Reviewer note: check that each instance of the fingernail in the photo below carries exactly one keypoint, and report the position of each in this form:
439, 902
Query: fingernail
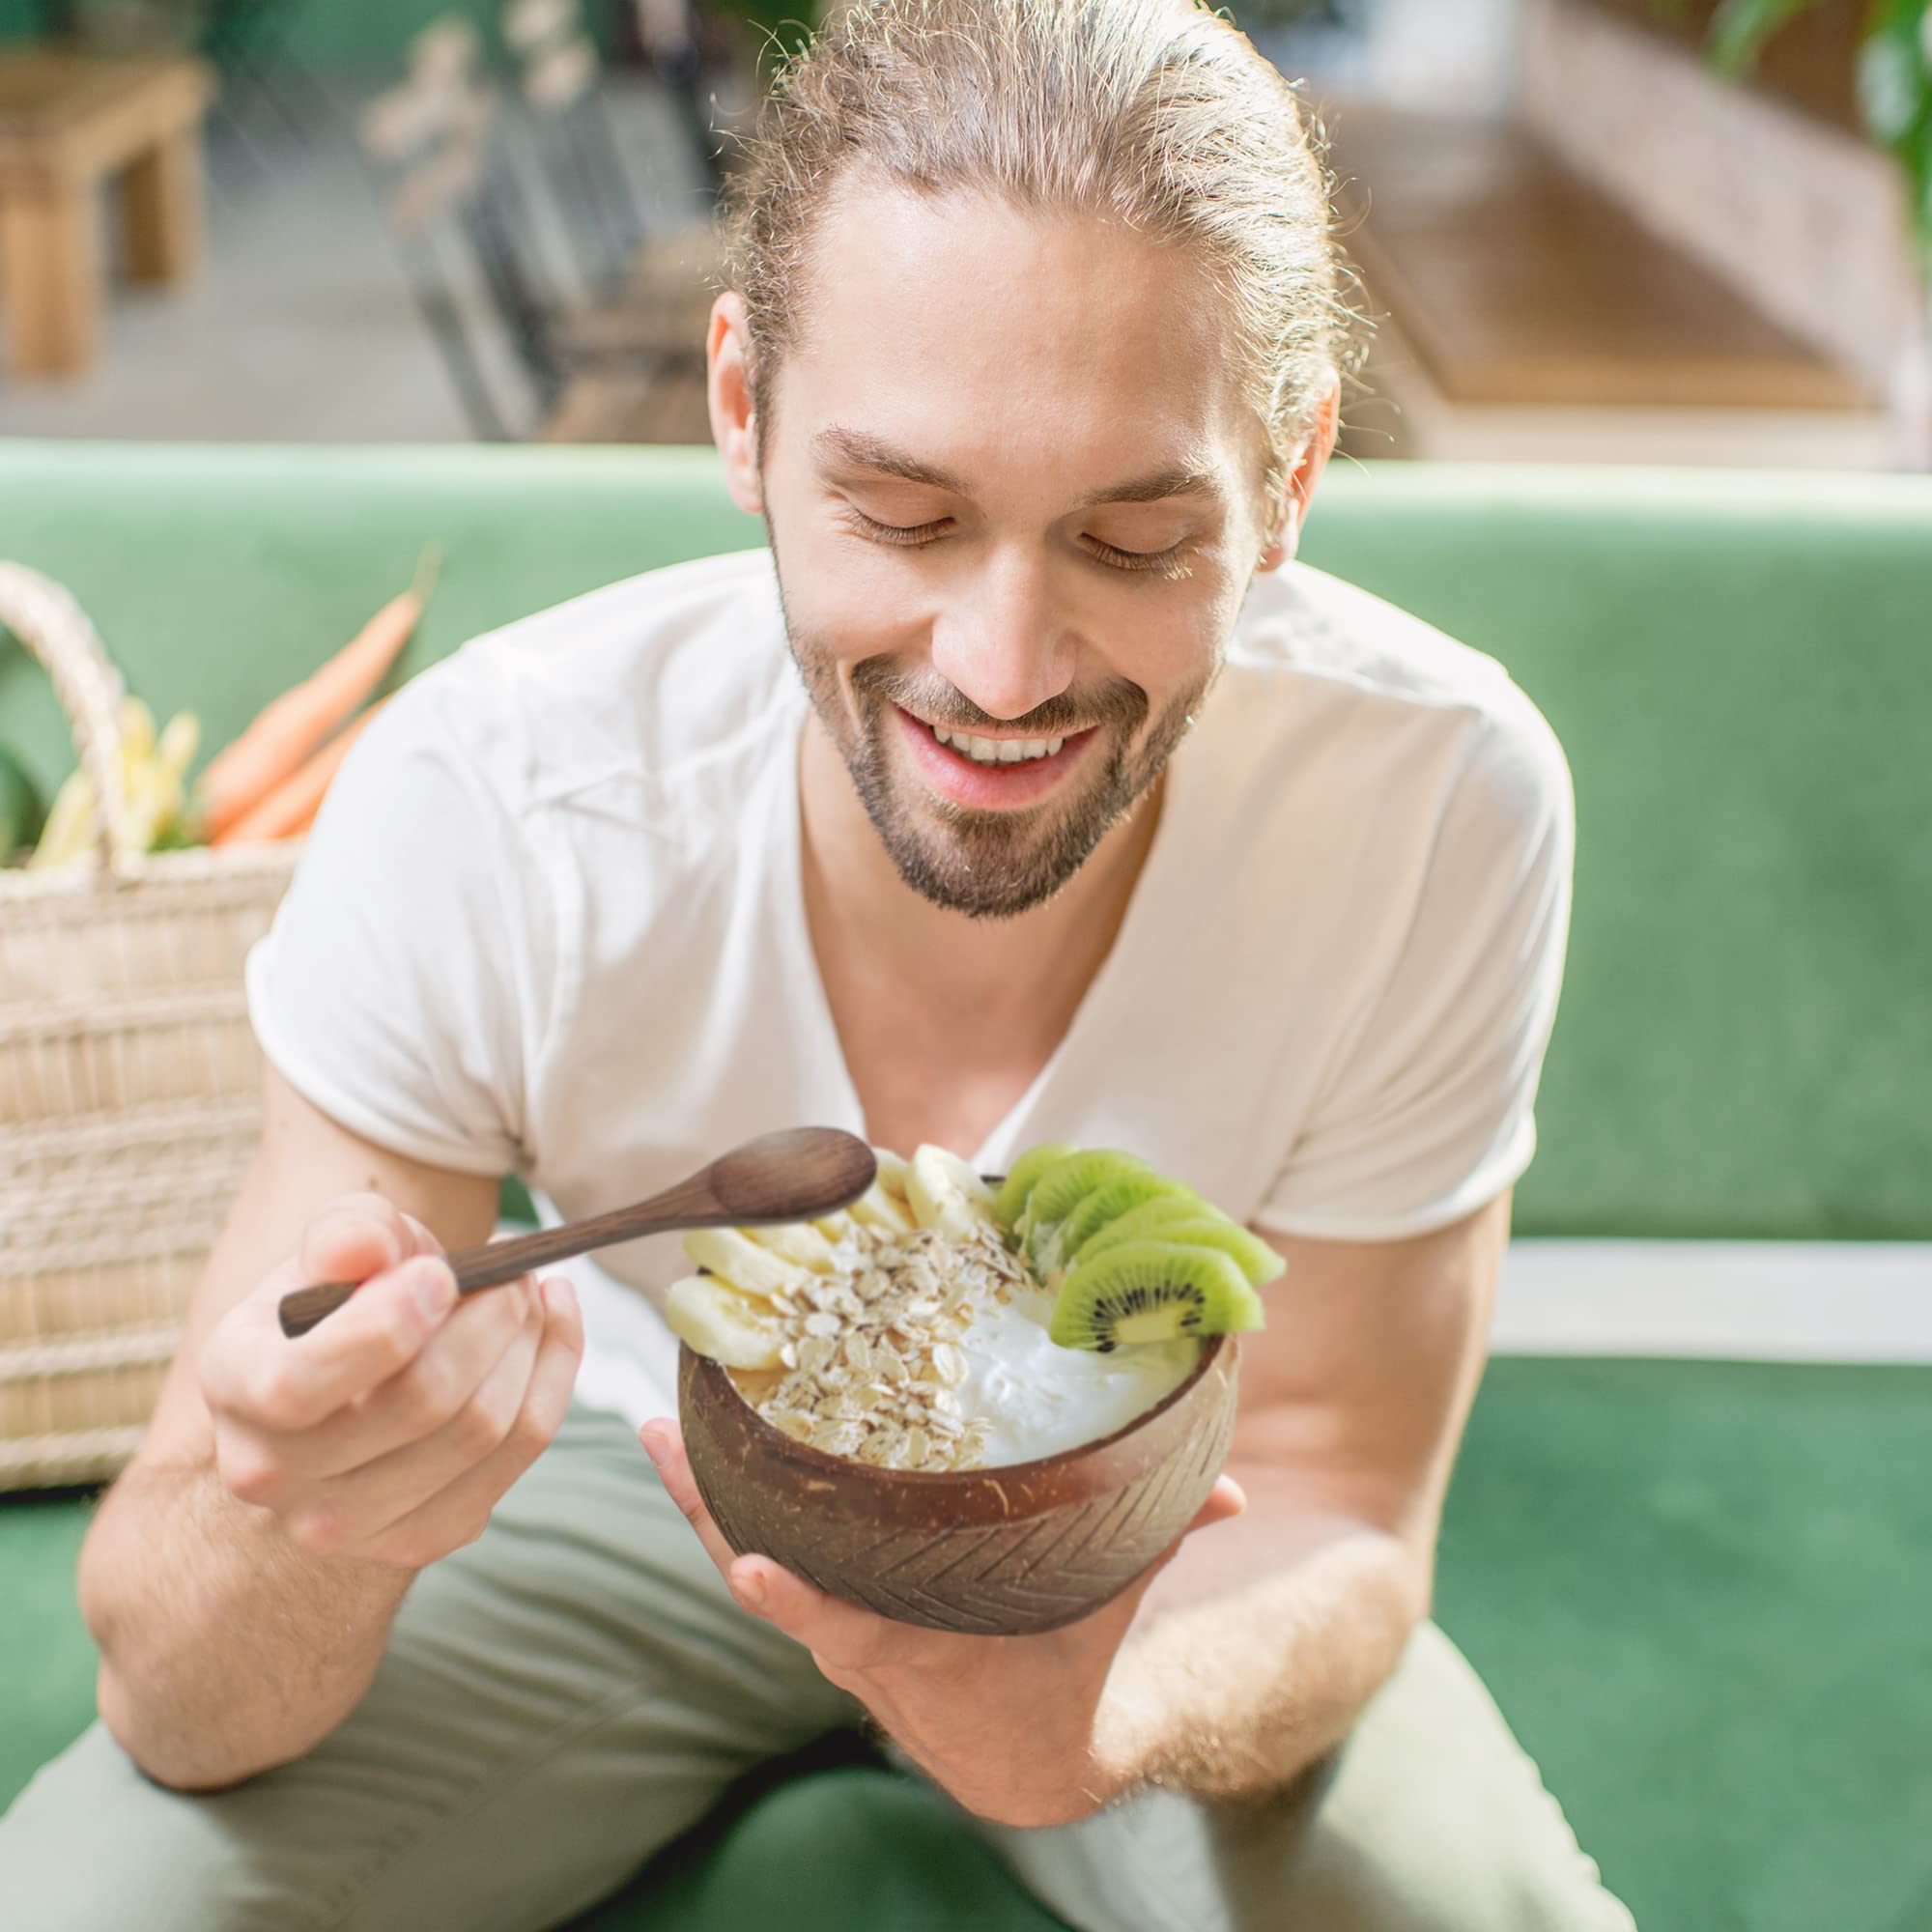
435, 1287
654, 1445
559, 1295
748, 1589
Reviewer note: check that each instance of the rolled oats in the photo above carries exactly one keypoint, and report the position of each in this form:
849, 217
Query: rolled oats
870, 1359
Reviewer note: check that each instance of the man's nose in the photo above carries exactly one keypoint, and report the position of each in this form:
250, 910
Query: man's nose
1003, 640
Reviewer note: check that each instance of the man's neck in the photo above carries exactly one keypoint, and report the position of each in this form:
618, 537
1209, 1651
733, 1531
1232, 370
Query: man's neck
1044, 956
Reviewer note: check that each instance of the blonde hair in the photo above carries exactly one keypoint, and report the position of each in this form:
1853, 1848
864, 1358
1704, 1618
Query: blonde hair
1157, 113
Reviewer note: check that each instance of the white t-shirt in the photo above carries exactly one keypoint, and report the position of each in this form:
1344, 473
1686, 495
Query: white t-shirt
550, 920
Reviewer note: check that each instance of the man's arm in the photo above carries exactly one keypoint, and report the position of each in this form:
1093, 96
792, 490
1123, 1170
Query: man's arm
242, 1576
1253, 1650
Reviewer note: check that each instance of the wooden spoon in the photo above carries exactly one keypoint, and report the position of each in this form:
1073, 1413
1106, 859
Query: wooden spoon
797, 1175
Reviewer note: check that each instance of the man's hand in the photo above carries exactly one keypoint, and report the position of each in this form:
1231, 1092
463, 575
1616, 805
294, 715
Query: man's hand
1011, 1726
389, 1430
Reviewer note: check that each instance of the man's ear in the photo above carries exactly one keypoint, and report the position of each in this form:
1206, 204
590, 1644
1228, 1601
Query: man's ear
1317, 446
727, 349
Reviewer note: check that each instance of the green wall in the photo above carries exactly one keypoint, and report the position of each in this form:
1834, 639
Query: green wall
353, 34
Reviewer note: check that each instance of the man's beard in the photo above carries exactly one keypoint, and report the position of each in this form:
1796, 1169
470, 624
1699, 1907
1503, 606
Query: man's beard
989, 864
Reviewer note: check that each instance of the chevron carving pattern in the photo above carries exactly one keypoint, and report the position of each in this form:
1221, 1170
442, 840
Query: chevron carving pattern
997, 1552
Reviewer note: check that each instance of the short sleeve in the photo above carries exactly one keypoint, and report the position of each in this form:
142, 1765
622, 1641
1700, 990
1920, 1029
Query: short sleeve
392, 990
1429, 1111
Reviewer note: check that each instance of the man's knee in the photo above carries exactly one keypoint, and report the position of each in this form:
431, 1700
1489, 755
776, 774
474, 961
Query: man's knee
1410, 1869
93, 1846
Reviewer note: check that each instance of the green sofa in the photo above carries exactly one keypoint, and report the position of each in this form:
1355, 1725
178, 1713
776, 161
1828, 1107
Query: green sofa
1695, 1588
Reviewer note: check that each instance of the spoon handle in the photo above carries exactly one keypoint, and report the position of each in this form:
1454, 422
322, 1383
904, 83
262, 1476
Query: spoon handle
694, 1203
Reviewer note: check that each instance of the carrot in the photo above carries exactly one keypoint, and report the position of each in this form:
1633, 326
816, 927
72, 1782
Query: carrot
290, 809
287, 731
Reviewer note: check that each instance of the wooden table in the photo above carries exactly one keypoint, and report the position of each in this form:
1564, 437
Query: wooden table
1518, 283
67, 122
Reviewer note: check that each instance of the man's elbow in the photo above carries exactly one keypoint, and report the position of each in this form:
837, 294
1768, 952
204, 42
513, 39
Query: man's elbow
150, 1754
189, 1760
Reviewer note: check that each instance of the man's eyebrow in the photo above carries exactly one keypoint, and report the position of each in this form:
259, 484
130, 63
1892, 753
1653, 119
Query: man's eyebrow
1178, 479
871, 452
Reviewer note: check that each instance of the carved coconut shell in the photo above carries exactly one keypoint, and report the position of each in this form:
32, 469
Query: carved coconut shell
996, 1552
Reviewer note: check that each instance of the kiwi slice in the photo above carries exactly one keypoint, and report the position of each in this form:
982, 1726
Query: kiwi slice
1108, 1203
1068, 1182
1012, 1198
1145, 1223
1153, 1291
1252, 1255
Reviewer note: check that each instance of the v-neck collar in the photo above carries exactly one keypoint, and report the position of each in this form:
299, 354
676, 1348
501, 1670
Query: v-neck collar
1107, 993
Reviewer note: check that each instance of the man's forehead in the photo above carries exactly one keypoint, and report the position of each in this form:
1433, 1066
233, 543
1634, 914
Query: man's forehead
841, 446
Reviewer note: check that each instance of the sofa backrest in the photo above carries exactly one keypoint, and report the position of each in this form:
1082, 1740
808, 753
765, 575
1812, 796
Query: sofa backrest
1739, 666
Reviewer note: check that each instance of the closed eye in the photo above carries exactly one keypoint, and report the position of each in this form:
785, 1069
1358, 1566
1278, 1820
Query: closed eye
1167, 562
916, 536
910, 534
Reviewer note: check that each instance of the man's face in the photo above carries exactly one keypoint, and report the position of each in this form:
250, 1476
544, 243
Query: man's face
1015, 500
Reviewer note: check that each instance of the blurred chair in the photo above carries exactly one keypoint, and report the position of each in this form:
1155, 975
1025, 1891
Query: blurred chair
671, 37
600, 373
557, 76
646, 287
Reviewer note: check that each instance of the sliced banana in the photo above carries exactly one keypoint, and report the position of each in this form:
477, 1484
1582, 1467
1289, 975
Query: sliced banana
944, 1193
837, 1228
877, 1208
892, 1172
795, 1241
715, 1319
743, 1263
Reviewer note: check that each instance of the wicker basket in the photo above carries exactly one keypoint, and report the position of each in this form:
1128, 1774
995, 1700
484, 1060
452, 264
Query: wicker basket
129, 1090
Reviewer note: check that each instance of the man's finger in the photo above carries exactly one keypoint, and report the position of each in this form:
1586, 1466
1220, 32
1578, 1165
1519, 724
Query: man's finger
418, 1452
664, 1444
463, 1508
843, 1636
382, 1327
357, 1236
1225, 1500
416, 1404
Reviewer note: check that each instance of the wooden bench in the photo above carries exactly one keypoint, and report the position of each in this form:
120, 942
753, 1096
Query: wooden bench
69, 121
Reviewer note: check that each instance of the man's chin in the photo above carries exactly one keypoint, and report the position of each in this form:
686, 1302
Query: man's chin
985, 864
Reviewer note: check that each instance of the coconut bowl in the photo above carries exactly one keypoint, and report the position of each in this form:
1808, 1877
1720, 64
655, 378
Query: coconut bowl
1003, 1551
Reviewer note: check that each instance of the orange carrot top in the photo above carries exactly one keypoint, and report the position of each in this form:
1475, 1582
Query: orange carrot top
287, 730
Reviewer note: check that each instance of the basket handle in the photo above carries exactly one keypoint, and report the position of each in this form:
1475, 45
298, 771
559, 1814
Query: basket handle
58, 637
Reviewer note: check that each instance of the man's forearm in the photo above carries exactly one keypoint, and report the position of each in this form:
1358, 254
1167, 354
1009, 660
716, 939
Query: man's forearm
1256, 1648
224, 1651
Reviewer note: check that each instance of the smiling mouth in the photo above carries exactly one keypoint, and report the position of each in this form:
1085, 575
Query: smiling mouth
999, 751
979, 772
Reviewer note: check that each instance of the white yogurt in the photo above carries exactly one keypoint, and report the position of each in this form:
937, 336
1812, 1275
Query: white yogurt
1042, 1398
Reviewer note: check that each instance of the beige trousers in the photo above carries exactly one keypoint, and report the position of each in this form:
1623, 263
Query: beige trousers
577, 1689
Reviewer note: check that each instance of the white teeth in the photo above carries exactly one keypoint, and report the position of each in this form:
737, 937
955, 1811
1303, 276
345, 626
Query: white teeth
999, 751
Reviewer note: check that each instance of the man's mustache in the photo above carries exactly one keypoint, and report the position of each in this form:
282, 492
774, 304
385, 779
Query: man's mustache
1118, 702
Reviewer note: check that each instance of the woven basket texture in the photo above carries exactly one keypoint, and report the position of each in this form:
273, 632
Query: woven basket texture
130, 1092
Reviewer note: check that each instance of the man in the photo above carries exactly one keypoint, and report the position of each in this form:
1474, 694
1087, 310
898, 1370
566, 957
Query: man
1089, 817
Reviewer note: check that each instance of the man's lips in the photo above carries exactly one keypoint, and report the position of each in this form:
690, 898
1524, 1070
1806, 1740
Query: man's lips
989, 787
